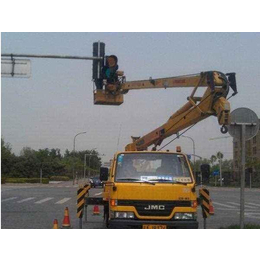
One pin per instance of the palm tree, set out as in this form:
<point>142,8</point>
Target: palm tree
<point>220,155</point>
<point>213,159</point>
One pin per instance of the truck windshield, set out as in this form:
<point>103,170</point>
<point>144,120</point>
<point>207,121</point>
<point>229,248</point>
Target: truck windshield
<point>154,167</point>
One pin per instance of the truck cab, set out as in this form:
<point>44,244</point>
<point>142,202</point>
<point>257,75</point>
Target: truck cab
<point>150,189</point>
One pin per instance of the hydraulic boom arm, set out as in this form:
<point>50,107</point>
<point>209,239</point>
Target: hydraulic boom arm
<point>212,102</point>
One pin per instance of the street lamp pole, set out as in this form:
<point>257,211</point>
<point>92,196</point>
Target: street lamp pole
<point>85,157</point>
<point>89,164</point>
<point>197,156</point>
<point>90,154</point>
<point>194,159</point>
<point>74,144</point>
<point>193,149</point>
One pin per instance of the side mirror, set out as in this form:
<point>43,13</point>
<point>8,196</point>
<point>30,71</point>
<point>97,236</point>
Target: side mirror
<point>103,173</point>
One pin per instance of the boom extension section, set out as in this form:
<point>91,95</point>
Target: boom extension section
<point>212,102</point>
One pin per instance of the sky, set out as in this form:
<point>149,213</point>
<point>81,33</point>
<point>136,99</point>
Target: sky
<point>48,109</point>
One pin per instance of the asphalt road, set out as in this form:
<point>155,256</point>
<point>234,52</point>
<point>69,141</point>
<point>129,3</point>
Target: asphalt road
<point>25,206</point>
<point>227,208</point>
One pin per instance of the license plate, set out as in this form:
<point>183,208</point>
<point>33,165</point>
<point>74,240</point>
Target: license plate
<point>154,226</point>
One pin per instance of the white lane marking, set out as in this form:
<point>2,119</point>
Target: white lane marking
<point>253,215</point>
<point>15,188</point>
<point>223,205</point>
<point>24,200</point>
<point>236,209</point>
<point>249,206</point>
<point>234,203</point>
<point>67,186</point>
<point>98,194</point>
<point>43,200</point>
<point>238,204</point>
<point>13,198</point>
<point>62,201</point>
<point>226,209</point>
<point>254,204</point>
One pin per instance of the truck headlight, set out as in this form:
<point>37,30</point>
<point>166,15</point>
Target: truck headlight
<point>179,216</point>
<point>123,214</point>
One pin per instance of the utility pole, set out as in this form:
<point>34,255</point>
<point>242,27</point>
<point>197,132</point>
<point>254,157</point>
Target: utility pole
<point>85,159</point>
<point>74,141</point>
<point>242,188</point>
<point>220,171</point>
<point>41,174</point>
<point>89,163</point>
<point>250,179</point>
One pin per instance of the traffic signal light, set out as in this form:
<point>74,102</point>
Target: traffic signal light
<point>104,173</point>
<point>105,68</point>
<point>205,171</point>
<point>97,74</point>
<point>107,78</point>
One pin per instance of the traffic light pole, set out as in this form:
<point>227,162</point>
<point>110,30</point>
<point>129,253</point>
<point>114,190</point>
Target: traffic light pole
<point>97,58</point>
<point>50,56</point>
<point>242,188</point>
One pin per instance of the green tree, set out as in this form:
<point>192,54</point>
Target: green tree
<point>227,165</point>
<point>50,161</point>
<point>199,162</point>
<point>213,159</point>
<point>27,164</point>
<point>7,158</point>
<point>220,155</point>
<point>76,159</point>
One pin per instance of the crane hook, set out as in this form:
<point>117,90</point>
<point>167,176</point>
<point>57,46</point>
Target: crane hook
<point>224,129</point>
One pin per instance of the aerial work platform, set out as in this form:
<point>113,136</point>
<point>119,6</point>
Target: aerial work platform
<point>103,97</point>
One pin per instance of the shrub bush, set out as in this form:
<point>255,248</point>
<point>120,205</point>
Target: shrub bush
<point>27,180</point>
<point>3,180</point>
<point>45,181</point>
<point>59,178</point>
<point>15,180</point>
<point>37,180</point>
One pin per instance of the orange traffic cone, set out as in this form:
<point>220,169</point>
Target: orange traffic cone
<point>55,224</point>
<point>66,220</point>
<point>211,208</point>
<point>96,210</point>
